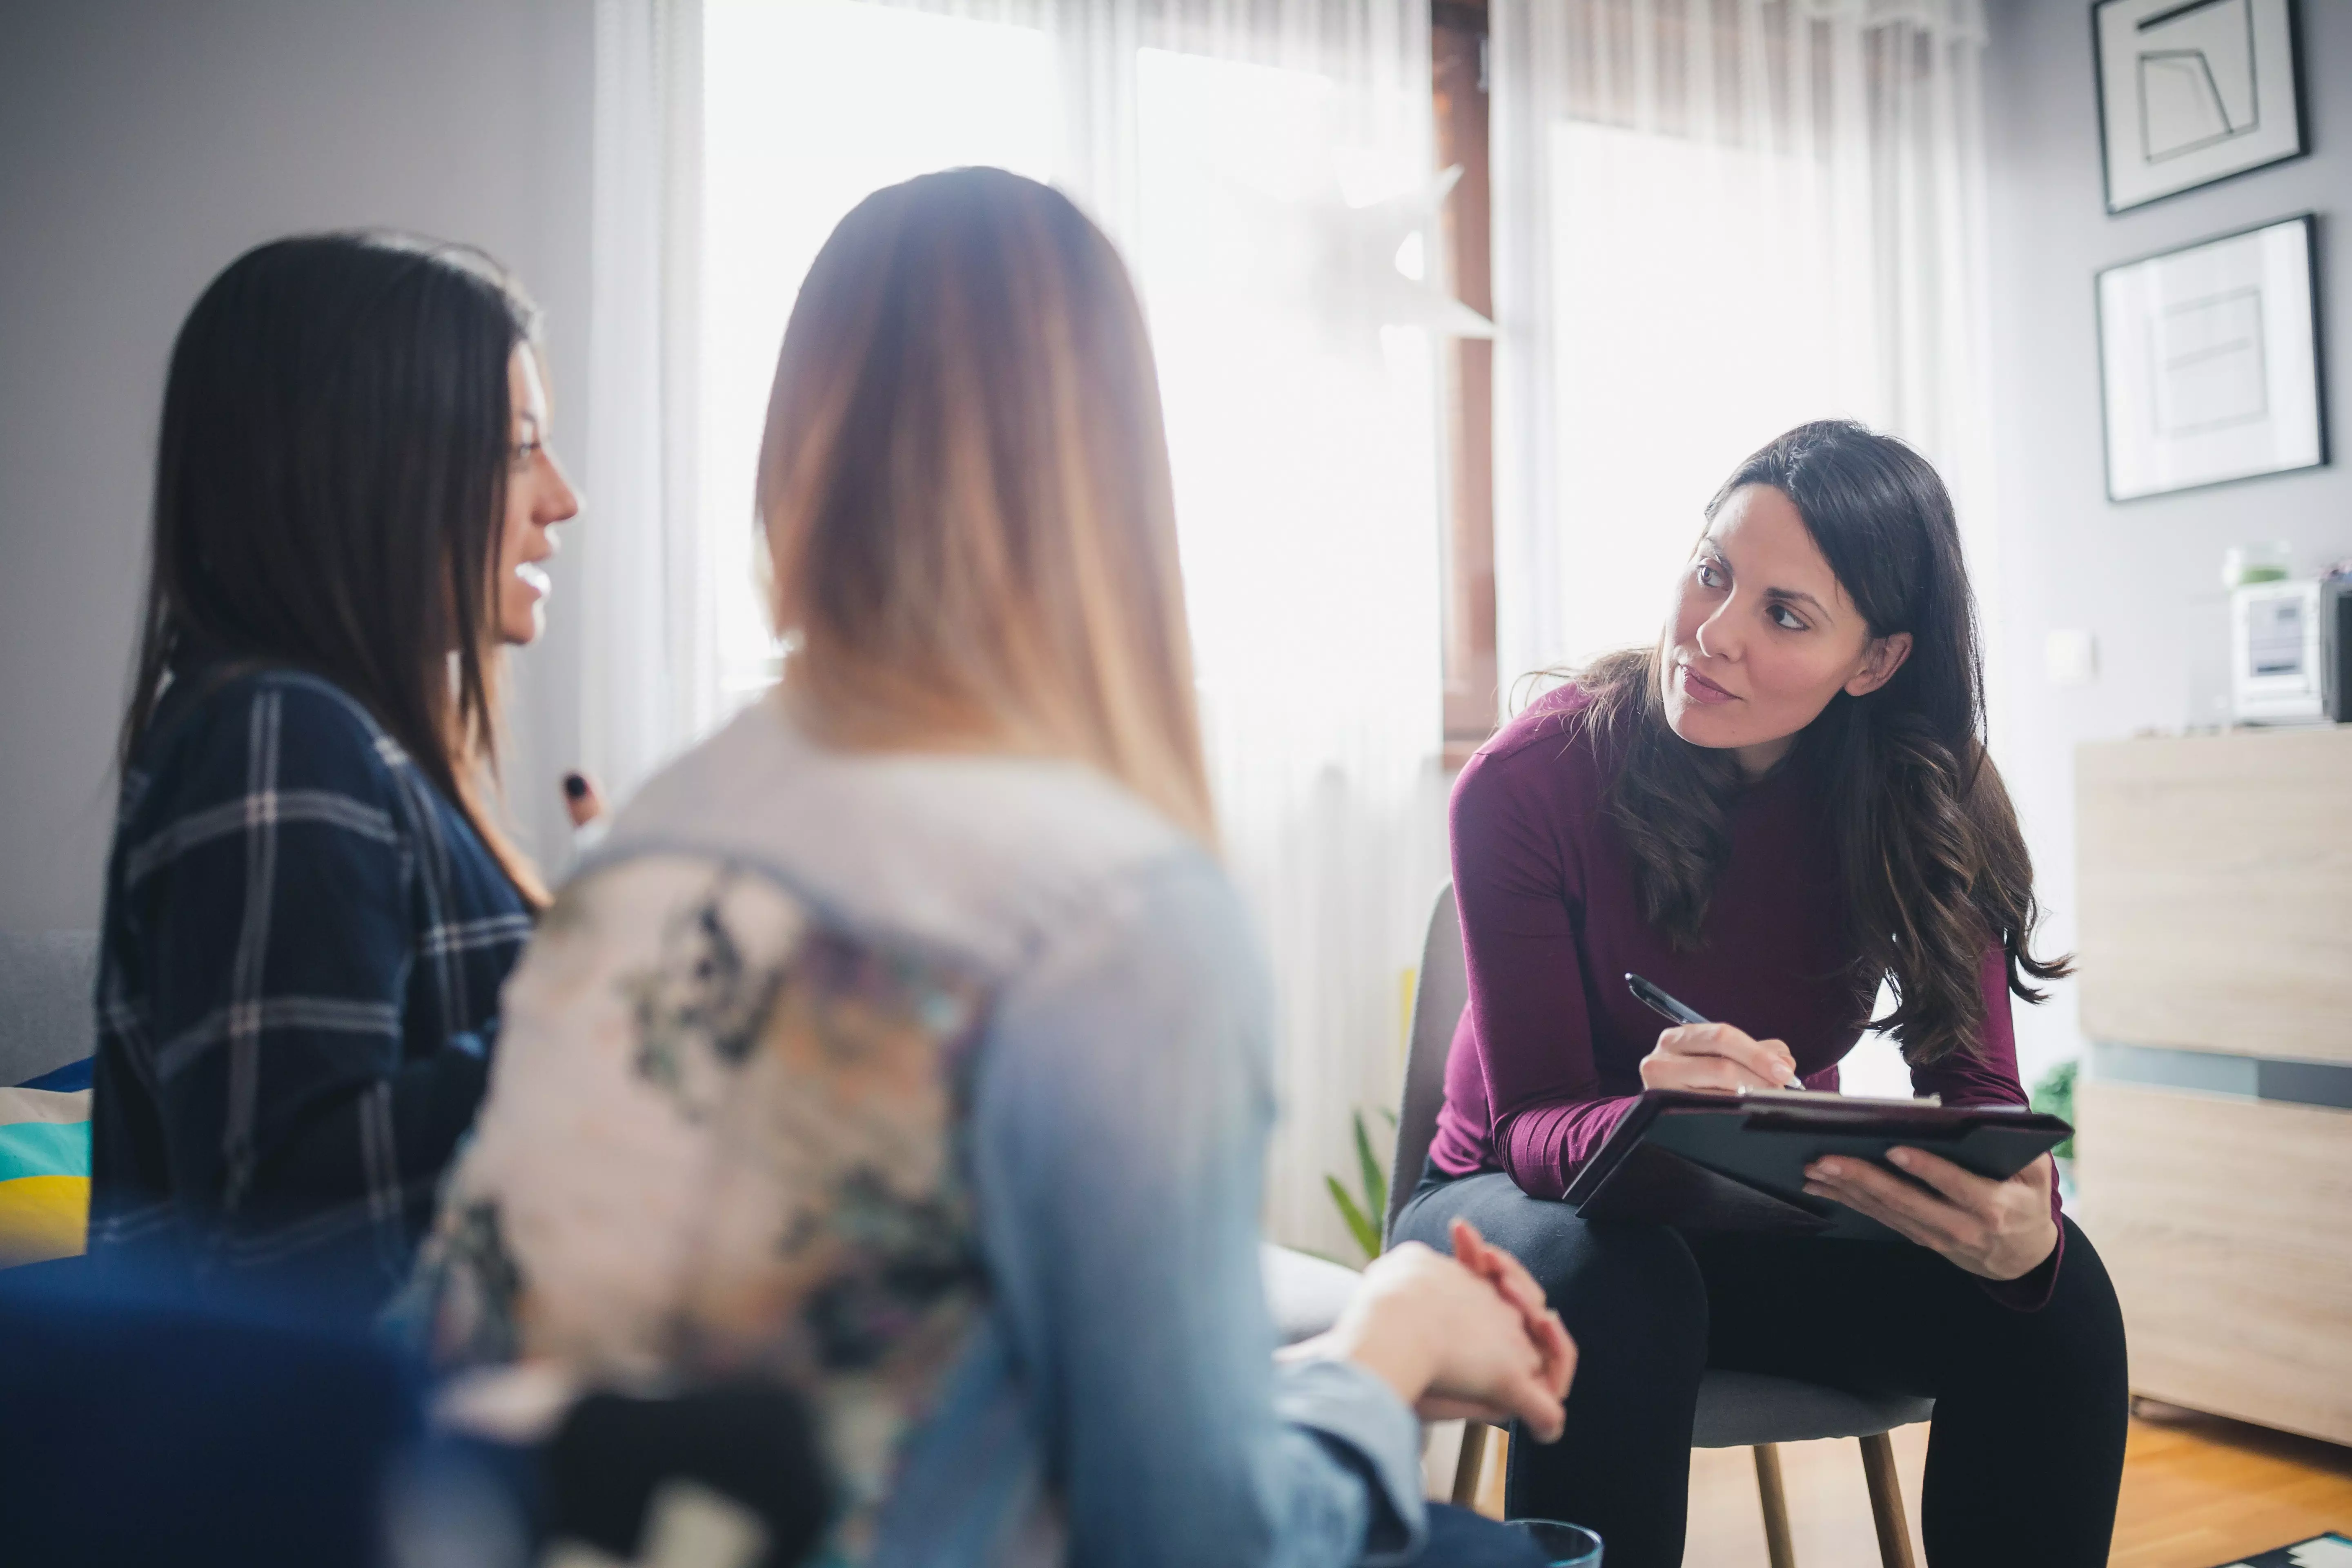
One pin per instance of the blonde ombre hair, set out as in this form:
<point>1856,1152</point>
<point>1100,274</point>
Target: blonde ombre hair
<point>964,485</point>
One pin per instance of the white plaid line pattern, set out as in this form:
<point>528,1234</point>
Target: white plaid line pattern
<point>250,1020</point>
<point>303,1003</point>
<point>252,946</point>
<point>322,806</point>
<point>433,853</point>
<point>131,1224</point>
<point>252,1250</point>
<point>249,1250</point>
<point>464,936</point>
<point>380,1159</point>
<point>134,790</point>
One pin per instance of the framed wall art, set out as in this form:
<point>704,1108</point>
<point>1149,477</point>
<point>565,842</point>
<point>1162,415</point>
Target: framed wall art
<point>2191,92</point>
<point>2210,362</point>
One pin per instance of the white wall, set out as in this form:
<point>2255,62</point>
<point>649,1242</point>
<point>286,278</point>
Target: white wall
<point>143,145</point>
<point>2144,575</point>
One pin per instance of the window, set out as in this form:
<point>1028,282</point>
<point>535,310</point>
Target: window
<point>807,108</point>
<point>1266,172</point>
<point>1695,324</point>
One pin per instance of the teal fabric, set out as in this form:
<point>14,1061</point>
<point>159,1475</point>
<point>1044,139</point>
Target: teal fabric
<point>43,1148</point>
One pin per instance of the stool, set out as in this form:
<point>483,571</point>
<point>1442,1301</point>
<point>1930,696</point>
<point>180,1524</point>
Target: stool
<point>1750,1410</point>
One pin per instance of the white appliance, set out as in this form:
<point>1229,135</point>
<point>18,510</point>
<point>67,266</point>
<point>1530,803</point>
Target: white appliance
<point>2291,651</point>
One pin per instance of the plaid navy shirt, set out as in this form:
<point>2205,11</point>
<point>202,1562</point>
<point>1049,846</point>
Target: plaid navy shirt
<point>298,983</point>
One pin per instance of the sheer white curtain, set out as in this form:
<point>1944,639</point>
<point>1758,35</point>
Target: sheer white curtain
<point>1715,219</point>
<point>647,583</point>
<point>1275,168</point>
<point>1266,168</point>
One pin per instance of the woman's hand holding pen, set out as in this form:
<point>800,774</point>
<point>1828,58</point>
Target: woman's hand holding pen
<point>1717,1057</point>
<point>1996,1229</point>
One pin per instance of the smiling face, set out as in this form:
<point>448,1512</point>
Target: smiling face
<point>1763,635</point>
<point>538,497</point>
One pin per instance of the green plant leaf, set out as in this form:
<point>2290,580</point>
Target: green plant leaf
<point>1368,1236</point>
<point>2054,1095</point>
<point>1376,1184</point>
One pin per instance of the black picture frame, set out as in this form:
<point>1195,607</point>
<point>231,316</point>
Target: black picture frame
<point>2316,325</point>
<point>2296,82</point>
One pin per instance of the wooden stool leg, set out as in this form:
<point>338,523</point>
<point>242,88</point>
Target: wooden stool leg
<point>1886,1502</point>
<point>1495,1475</point>
<point>1466,1469</point>
<point>1776,1544</point>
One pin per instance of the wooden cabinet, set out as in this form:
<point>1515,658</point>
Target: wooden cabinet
<point>2217,891</point>
<point>2216,895</point>
<point>2227,1226</point>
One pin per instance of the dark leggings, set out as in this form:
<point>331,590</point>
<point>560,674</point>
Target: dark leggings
<point>2027,1447</point>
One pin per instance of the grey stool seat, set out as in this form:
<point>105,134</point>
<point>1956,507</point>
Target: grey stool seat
<point>1744,1409</point>
<point>1736,1409</point>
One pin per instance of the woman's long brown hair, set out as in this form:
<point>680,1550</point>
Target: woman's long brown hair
<point>330,492</point>
<point>965,487</point>
<point>1934,866</point>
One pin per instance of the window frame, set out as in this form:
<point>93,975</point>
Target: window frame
<point>1459,35</point>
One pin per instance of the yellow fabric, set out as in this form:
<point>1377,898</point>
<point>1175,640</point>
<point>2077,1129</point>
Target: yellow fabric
<point>43,1217</point>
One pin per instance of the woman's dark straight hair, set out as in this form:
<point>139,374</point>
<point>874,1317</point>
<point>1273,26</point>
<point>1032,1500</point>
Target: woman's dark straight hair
<point>330,490</point>
<point>1934,866</point>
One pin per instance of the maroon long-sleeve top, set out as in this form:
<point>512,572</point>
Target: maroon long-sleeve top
<point>1548,1055</point>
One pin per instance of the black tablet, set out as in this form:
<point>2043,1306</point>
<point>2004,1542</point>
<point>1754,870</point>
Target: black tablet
<point>1729,1162</point>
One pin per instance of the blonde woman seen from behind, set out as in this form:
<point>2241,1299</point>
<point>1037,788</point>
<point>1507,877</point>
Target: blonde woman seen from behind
<point>904,1045</point>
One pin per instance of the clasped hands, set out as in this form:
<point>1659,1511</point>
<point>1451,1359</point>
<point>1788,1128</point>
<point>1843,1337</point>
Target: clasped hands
<point>1999,1230</point>
<point>1468,1335</point>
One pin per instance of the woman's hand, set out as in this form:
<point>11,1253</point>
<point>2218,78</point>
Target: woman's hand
<point>1451,1342</point>
<point>583,801</point>
<point>1510,1277</point>
<point>1996,1229</point>
<point>1717,1057</point>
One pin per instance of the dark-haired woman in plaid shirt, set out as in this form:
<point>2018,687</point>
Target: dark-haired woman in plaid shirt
<point>309,909</point>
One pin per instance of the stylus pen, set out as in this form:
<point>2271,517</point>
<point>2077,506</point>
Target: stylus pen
<point>1666,1006</point>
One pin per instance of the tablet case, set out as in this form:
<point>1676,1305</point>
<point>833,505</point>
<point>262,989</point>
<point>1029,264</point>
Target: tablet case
<point>1727,1161</point>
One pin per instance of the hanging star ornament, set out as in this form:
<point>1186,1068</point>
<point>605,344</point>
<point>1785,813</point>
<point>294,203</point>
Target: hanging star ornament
<point>1343,270</point>
<point>1376,262</point>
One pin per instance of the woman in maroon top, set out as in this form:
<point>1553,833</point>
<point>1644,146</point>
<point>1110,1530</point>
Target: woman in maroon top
<point>1784,803</point>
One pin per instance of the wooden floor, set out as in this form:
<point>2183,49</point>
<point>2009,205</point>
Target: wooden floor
<point>2200,1490</point>
<point>2198,1493</point>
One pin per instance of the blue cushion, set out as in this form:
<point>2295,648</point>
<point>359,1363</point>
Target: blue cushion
<point>142,1429</point>
<point>67,1080</point>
